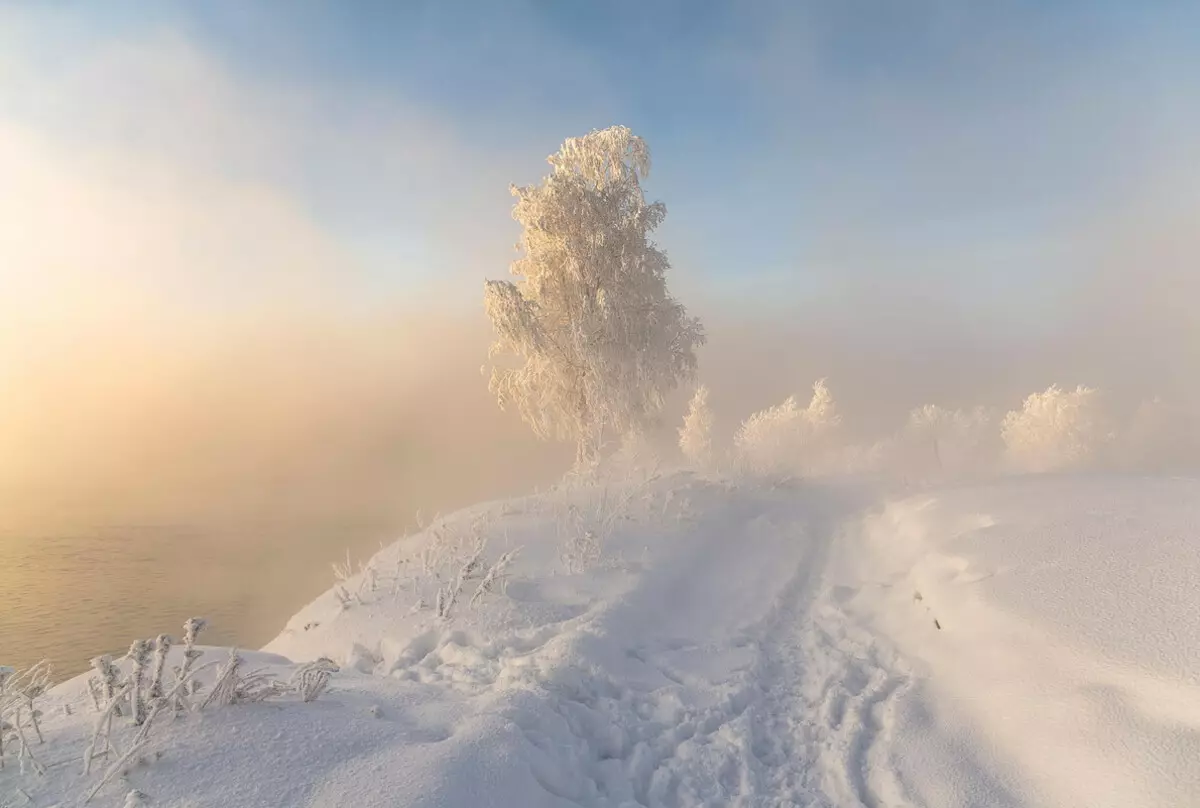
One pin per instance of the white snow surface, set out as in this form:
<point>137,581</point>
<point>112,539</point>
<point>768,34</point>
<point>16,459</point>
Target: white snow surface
<point>1029,642</point>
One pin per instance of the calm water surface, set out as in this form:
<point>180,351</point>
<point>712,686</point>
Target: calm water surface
<point>72,596</point>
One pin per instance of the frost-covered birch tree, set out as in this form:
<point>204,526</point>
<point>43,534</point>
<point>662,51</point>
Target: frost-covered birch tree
<point>597,338</point>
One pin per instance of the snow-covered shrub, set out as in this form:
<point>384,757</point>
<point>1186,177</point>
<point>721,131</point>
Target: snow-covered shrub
<point>790,439</point>
<point>598,337</point>
<point>1055,430</point>
<point>695,436</point>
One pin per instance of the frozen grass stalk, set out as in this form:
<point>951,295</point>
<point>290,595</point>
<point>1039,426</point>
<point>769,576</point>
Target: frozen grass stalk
<point>232,687</point>
<point>162,644</point>
<point>310,679</point>
<point>18,695</point>
<point>496,575</point>
<point>191,629</point>
<point>225,686</point>
<point>139,656</point>
<point>101,743</point>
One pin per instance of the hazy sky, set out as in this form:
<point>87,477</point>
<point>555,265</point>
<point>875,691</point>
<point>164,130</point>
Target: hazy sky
<point>794,142</point>
<point>214,212</point>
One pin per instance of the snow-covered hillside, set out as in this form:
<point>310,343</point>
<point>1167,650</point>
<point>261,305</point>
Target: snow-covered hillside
<point>690,642</point>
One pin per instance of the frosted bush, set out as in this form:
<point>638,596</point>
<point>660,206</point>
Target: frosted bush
<point>788,438</point>
<point>695,436</point>
<point>1055,430</point>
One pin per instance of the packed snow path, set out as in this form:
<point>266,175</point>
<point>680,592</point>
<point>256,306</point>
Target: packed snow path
<point>1027,643</point>
<point>799,701</point>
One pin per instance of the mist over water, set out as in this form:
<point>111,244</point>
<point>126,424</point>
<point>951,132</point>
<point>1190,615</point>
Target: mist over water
<point>225,486</point>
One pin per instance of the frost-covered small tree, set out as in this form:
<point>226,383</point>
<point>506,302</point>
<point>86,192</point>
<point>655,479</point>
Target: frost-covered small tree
<point>598,338</point>
<point>695,436</point>
<point>788,437</point>
<point>1055,430</point>
<point>949,442</point>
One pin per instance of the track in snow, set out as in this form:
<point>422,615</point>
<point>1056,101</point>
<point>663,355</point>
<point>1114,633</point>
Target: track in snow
<point>717,670</point>
<point>819,733</point>
<point>790,709</point>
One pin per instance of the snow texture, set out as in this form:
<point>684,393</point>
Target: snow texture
<point>1032,642</point>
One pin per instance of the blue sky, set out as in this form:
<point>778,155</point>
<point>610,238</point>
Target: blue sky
<point>797,145</point>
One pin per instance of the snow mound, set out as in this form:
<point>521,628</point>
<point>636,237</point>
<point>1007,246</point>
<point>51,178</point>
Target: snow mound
<point>692,642</point>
